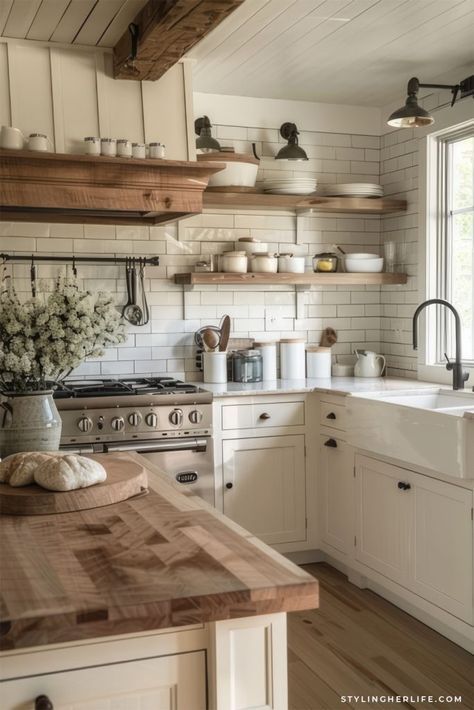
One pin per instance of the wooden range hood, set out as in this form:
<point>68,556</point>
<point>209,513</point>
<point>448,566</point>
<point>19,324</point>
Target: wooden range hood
<point>56,187</point>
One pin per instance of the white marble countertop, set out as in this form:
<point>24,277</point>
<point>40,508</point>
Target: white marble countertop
<point>334,385</point>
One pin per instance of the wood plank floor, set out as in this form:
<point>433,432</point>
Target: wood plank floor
<point>357,643</point>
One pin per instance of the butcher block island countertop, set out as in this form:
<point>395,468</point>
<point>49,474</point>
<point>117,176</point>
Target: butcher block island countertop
<point>162,560</point>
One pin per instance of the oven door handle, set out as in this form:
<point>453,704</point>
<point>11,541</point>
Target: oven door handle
<point>152,447</point>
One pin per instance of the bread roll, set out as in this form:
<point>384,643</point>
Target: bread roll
<point>69,472</point>
<point>18,469</point>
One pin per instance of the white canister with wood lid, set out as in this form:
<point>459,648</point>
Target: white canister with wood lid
<point>318,361</point>
<point>269,358</point>
<point>292,359</point>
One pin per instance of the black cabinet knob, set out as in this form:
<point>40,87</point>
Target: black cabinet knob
<point>42,702</point>
<point>404,486</point>
<point>229,485</point>
<point>332,443</point>
<point>331,415</point>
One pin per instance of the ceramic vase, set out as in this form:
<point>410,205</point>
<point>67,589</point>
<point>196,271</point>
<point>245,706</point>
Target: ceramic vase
<point>29,422</point>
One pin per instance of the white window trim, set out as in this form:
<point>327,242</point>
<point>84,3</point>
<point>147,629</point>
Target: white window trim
<point>445,120</point>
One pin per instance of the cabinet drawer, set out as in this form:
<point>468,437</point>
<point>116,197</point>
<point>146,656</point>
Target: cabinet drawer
<point>333,415</point>
<point>255,416</point>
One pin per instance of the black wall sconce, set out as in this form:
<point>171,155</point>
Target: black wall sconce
<point>414,116</point>
<point>205,141</point>
<point>292,151</point>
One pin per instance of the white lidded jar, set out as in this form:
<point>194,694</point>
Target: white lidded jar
<point>124,148</point>
<point>156,151</point>
<point>39,142</point>
<point>234,262</point>
<point>263,263</point>
<point>318,361</point>
<point>292,359</point>
<point>92,145</point>
<point>268,348</point>
<point>138,150</point>
<point>108,147</point>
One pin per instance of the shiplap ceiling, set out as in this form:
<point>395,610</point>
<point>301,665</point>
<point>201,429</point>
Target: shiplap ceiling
<point>358,52</point>
<point>84,22</point>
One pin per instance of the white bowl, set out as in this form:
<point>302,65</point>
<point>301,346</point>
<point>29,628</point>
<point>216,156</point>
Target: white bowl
<point>362,256</point>
<point>255,247</point>
<point>363,266</point>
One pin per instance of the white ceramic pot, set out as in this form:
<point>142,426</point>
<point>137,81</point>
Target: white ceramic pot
<point>290,264</point>
<point>11,138</point>
<point>30,422</point>
<point>263,264</point>
<point>215,367</point>
<point>240,169</point>
<point>234,262</point>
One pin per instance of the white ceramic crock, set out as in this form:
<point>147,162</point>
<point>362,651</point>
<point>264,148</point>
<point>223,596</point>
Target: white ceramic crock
<point>11,138</point>
<point>263,263</point>
<point>234,262</point>
<point>291,264</point>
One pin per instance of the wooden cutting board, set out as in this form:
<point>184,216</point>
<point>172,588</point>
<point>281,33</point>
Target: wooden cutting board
<point>125,479</point>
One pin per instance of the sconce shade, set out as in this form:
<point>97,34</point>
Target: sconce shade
<point>410,116</point>
<point>292,151</point>
<point>205,141</point>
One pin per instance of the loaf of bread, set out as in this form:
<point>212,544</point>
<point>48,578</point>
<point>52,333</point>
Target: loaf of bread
<point>68,472</point>
<point>19,469</point>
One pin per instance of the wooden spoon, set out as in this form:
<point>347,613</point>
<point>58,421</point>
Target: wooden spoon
<point>210,340</point>
<point>225,333</point>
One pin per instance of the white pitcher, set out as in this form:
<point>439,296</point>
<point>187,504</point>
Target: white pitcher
<point>369,364</point>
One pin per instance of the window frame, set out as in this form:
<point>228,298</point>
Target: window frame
<point>449,121</point>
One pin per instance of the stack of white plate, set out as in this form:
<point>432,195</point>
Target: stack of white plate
<point>290,186</point>
<point>352,189</point>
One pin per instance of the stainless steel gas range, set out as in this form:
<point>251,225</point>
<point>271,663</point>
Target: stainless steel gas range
<point>166,420</point>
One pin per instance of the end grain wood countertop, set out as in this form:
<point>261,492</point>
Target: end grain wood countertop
<point>162,560</point>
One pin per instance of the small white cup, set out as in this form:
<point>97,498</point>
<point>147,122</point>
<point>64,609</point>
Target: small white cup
<point>156,150</point>
<point>92,145</point>
<point>138,150</point>
<point>215,367</point>
<point>12,138</point>
<point>108,147</point>
<point>124,148</point>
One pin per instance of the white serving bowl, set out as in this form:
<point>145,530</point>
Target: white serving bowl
<point>368,264</point>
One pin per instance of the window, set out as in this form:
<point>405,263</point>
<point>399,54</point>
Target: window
<point>454,274</point>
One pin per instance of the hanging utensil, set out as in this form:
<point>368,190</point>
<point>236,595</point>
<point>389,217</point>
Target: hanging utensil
<point>132,311</point>
<point>145,308</point>
<point>225,334</point>
<point>198,334</point>
<point>33,277</point>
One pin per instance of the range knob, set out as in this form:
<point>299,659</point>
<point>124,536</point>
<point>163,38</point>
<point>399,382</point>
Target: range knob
<point>195,416</point>
<point>117,423</point>
<point>151,420</point>
<point>176,417</point>
<point>85,424</point>
<point>134,418</point>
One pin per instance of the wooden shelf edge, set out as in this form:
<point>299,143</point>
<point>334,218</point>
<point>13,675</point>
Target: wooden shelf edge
<point>307,279</point>
<point>259,200</point>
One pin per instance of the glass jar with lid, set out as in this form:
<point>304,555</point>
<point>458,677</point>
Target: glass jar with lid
<point>326,262</point>
<point>247,366</point>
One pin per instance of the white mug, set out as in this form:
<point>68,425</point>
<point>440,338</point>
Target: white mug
<point>11,138</point>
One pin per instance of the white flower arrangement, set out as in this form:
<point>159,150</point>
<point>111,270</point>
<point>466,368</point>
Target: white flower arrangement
<point>44,338</point>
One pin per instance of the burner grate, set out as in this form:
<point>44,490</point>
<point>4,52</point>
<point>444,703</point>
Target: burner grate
<point>127,386</point>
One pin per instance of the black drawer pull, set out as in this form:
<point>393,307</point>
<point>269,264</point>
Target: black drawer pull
<point>404,486</point>
<point>265,415</point>
<point>331,415</point>
<point>42,702</point>
<point>229,485</point>
<point>332,443</point>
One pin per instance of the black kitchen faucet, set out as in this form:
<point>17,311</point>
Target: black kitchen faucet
<point>459,376</point>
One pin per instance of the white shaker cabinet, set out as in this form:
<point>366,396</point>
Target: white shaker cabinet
<point>418,532</point>
<point>175,682</point>
<point>264,486</point>
<point>336,464</point>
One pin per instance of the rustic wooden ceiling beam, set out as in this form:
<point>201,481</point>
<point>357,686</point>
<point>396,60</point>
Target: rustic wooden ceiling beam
<point>167,29</point>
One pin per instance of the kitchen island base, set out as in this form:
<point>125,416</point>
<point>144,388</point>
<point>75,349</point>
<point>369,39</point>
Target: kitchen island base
<point>235,663</point>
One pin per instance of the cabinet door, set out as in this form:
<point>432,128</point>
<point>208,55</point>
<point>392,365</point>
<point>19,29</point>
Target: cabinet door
<point>443,546</point>
<point>384,518</point>
<point>336,493</point>
<point>168,683</point>
<point>264,486</point>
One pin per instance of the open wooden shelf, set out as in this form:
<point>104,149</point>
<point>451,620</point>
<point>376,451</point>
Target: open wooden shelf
<point>306,279</point>
<point>318,203</point>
